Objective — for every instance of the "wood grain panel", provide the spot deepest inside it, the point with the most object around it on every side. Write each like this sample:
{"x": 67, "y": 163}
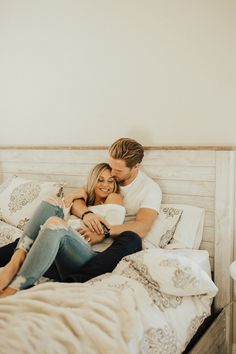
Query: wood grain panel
{"x": 179, "y": 158}
{"x": 194, "y": 188}
{"x": 153, "y": 158}
{"x": 213, "y": 341}
{"x": 208, "y": 246}
{"x": 203, "y": 202}
{"x": 189, "y": 173}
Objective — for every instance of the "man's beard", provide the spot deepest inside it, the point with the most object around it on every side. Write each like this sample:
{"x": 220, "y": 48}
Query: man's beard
{"x": 119, "y": 180}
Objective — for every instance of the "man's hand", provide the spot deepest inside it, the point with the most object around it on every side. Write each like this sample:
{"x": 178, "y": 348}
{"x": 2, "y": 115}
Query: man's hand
{"x": 91, "y": 237}
{"x": 93, "y": 222}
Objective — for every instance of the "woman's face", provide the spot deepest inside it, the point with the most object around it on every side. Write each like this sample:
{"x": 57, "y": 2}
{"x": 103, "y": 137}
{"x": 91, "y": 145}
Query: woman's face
{"x": 105, "y": 185}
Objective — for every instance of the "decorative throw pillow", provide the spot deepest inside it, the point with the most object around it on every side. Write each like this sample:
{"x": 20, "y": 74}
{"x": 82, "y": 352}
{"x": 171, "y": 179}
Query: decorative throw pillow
{"x": 19, "y": 198}
{"x": 189, "y": 230}
{"x": 163, "y": 228}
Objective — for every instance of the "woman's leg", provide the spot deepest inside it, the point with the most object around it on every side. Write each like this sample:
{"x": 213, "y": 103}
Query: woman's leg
{"x": 11, "y": 268}
{"x": 56, "y": 241}
{"x": 42, "y": 213}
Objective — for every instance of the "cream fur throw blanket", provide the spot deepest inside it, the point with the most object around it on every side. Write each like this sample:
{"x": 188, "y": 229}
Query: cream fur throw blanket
{"x": 67, "y": 318}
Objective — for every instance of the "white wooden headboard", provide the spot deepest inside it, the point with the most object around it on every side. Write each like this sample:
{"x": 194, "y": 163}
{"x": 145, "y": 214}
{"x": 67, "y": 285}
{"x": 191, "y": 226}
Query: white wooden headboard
{"x": 201, "y": 176}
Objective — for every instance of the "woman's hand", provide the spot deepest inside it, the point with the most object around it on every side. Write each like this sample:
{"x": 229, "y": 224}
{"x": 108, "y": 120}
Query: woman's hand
{"x": 91, "y": 237}
{"x": 93, "y": 222}
{"x": 78, "y": 194}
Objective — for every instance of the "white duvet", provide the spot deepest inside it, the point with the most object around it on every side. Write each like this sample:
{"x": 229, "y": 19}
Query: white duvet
{"x": 139, "y": 308}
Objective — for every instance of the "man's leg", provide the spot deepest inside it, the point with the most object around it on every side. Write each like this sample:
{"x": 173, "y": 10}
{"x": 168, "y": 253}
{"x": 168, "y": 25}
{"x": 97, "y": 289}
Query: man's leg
{"x": 126, "y": 243}
{"x": 45, "y": 210}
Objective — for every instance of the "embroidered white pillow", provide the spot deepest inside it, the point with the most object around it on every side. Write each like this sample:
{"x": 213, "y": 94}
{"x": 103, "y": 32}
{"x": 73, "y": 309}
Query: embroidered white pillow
{"x": 19, "y": 197}
{"x": 189, "y": 231}
{"x": 163, "y": 228}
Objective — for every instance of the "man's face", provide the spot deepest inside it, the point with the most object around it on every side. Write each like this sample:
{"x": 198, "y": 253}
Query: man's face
{"x": 122, "y": 174}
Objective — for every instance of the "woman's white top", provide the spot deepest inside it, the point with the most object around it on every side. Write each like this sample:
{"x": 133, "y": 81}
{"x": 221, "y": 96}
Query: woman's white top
{"x": 114, "y": 214}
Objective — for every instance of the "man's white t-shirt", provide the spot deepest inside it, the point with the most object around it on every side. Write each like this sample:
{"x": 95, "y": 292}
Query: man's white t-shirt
{"x": 143, "y": 192}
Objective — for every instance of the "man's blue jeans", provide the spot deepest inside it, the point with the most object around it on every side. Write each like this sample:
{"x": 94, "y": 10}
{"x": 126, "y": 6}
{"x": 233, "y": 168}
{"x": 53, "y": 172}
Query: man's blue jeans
{"x": 45, "y": 245}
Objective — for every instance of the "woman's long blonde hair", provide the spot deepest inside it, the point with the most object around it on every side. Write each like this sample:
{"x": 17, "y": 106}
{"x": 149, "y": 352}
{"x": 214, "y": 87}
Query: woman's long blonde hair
{"x": 93, "y": 179}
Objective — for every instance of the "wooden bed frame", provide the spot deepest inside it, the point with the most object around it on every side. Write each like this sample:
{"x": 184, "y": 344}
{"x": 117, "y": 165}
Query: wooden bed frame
{"x": 201, "y": 176}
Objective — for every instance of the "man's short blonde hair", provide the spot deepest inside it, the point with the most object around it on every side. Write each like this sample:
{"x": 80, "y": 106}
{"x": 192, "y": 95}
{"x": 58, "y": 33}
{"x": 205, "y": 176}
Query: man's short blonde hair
{"x": 128, "y": 150}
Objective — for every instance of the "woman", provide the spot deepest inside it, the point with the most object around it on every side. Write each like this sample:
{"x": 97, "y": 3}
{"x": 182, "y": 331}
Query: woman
{"x": 51, "y": 236}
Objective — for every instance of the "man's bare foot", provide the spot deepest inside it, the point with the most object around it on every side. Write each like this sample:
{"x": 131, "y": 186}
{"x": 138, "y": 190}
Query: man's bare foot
{"x": 7, "y": 292}
{"x": 11, "y": 268}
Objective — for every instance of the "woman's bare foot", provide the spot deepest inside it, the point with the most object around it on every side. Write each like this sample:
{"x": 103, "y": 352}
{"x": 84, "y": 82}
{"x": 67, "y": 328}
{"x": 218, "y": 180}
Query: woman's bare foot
{"x": 7, "y": 292}
{"x": 7, "y": 274}
{"x": 11, "y": 268}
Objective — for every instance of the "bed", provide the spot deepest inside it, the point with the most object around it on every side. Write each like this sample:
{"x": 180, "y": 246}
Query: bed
{"x": 128, "y": 311}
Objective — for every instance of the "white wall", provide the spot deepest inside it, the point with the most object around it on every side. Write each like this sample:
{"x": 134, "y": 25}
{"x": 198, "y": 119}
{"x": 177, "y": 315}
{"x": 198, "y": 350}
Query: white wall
{"x": 89, "y": 71}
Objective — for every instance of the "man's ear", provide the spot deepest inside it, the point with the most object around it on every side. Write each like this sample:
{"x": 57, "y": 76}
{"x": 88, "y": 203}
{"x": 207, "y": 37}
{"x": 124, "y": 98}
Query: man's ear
{"x": 137, "y": 166}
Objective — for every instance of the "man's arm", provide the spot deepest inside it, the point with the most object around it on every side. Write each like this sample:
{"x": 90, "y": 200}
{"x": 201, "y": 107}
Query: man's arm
{"x": 141, "y": 225}
{"x": 77, "y": 194}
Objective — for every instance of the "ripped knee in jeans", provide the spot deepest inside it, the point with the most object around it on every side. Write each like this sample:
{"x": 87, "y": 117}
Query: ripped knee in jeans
{"x": 25, "y": 243}
{"x": 54, "y": 200}
{"x": 55, "y": 223}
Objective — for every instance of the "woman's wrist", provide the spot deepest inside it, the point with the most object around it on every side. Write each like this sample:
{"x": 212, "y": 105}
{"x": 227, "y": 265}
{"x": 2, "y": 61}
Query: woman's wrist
{"x": 85, "y": 213}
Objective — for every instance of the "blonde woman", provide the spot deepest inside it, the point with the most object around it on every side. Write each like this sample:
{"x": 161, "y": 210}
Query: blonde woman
{"x": 51, "y": 236}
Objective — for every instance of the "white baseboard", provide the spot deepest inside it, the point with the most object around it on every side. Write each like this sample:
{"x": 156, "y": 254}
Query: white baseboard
{"x": 234, "y": 349}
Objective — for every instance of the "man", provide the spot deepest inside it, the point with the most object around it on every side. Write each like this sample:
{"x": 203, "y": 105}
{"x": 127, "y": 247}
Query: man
{"x": 142, "y": 198}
